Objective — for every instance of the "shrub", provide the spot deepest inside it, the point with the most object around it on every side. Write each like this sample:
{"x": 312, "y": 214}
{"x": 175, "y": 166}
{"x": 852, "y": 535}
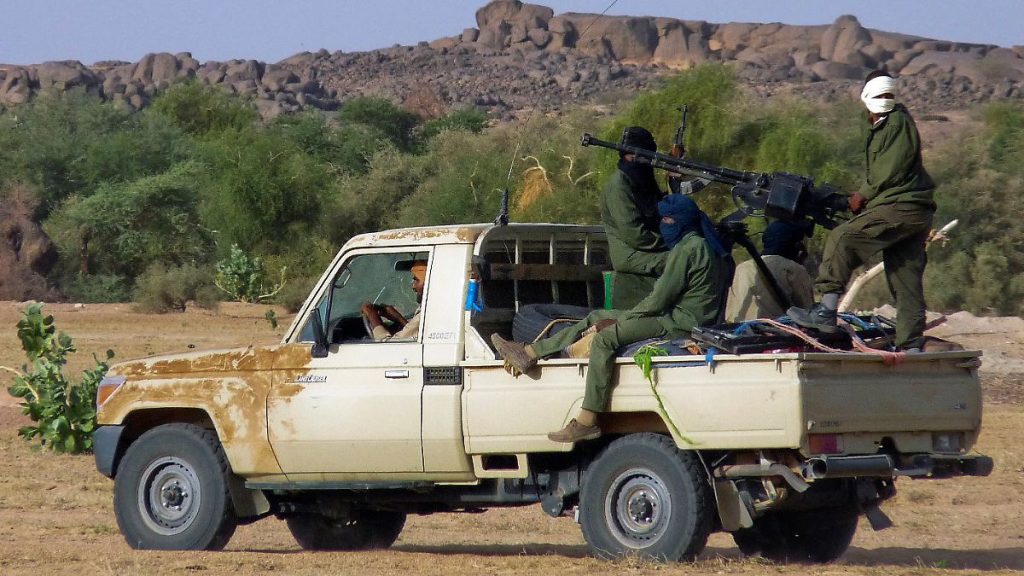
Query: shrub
{"x": 397, "y": 125}
{"x": 243, "y": 277}
{"x": 199, "y": 109}
{"x": 63, "y": 413}
{"x": 168, "y": 289}
{"x": 124, "y": 227}
{"x": 91, "y": 288}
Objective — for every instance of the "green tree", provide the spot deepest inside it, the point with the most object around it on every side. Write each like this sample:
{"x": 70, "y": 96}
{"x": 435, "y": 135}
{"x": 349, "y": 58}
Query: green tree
{"x": 200, "y": 110}
{"x": 66, "y": 143}
{"x": 397, "y": 125}
{"x": 124, "y": 227}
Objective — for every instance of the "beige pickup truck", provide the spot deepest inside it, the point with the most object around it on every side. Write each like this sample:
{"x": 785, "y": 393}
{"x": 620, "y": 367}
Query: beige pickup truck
{"x": 343, "y": 436}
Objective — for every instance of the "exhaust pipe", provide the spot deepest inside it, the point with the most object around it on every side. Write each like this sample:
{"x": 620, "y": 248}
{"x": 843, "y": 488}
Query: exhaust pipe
{"x": 880, "y": 465}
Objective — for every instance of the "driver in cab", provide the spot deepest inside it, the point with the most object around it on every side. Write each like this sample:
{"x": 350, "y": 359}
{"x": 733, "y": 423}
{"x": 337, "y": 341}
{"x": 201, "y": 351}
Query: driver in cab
{"x": 374, "y": 314}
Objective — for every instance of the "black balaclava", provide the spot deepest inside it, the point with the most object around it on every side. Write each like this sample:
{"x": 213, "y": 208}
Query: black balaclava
{"x": 646, "y": 192}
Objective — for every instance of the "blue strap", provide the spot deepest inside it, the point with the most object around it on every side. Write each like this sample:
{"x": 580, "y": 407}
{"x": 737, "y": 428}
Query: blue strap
{"x": 709, "y": 356}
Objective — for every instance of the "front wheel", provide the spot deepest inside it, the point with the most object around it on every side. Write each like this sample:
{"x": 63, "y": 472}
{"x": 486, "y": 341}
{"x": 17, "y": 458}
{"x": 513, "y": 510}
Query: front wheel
{"x": 364, "y": 530}
{"x": 644, "y": 496}
{"x": 171, "y": 491}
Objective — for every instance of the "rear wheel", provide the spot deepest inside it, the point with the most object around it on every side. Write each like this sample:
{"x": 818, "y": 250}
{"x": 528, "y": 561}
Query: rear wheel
{"x": 364, "y": 530}
{"x": 171, "y": 491}
{"x": 818, "y": 536}
{"x": 644, "y": 496}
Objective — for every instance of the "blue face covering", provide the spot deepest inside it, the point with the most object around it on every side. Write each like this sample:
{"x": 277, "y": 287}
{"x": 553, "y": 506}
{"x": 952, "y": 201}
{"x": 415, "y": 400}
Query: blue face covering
{"x": 688, "y": 218}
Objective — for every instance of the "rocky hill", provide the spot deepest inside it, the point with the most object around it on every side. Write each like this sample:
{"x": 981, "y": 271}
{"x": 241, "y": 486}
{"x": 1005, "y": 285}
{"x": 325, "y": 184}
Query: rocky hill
{"x": 523, "y": 55}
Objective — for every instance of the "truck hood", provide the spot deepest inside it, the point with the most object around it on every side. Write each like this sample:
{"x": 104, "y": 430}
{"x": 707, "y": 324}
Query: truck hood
{"x": 247, "y": 359}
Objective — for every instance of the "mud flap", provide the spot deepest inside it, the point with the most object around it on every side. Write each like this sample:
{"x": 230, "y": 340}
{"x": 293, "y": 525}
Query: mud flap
{"x": 733, "y": 510}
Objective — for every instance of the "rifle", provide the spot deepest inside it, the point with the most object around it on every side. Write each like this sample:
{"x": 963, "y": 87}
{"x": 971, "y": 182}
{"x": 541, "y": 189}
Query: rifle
{"x": 678, "y": 150}
{"x": 777, "y": 195}
{"x": 678, "y": 145}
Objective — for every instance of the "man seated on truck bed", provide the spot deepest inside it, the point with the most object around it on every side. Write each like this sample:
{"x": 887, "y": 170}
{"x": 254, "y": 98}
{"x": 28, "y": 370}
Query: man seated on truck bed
{"x": 406, "y": 329}
{"x": 783, "y": 253}
{"x": 688, "y": 294}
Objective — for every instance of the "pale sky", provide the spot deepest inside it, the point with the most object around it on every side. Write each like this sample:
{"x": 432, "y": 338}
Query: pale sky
{"x": 270, "y": 30}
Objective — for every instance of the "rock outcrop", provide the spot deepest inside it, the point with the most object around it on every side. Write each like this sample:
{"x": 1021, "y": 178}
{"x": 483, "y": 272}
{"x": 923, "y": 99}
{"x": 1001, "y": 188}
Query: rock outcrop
{"x": 523, "y": 55}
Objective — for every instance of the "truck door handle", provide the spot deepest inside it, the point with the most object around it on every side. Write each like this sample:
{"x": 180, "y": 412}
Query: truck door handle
{"x": 396, "y": 373}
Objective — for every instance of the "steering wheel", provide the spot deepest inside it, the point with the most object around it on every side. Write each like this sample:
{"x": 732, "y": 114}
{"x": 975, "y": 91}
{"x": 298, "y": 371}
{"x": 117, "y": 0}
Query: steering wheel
{"x": 367, "y": 326}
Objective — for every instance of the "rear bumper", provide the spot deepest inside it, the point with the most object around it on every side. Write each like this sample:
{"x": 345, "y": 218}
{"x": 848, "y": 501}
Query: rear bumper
{"x": 887, "y": 466}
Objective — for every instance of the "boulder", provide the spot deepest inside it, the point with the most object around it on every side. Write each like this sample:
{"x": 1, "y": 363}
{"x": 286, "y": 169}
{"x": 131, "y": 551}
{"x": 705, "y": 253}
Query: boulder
{"x": 844, "y": 39}
{"x": 828, "y": 70}
{"x": 64, "y": 75}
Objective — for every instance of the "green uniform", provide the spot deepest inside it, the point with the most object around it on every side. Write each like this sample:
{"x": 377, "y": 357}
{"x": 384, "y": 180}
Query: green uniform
{"x": 635, "y": 246}
{"x": 895, "y": 221}
{"x": 688, "y": 294}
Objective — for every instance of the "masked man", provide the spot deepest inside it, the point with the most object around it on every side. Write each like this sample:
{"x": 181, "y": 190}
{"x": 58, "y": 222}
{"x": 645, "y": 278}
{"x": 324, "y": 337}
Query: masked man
{"x": 688, "y": 294}
{"x": 893, "y": 214}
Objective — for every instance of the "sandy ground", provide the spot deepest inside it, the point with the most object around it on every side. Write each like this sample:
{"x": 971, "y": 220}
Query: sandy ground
{"x": 56, "y": 515}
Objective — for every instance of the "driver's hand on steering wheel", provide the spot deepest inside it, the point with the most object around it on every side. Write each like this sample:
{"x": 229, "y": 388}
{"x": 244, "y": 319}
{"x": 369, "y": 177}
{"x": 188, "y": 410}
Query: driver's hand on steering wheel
{"x": 391, "y": 313}
{"x": 371, "y": 313}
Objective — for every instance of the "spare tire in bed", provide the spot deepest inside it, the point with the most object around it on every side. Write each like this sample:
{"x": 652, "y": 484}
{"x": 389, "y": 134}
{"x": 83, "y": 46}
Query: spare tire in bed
{"x": 532, "y": 320}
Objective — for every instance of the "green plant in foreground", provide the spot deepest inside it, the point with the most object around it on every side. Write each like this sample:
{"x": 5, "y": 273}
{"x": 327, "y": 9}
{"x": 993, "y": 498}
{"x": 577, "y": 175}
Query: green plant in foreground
{"x": 644, "y": 358}
{"x": 63, "y": 413}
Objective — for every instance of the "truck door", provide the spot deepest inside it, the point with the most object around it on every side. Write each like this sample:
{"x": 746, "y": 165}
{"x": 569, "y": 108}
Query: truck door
{"x": 358, "y": 409}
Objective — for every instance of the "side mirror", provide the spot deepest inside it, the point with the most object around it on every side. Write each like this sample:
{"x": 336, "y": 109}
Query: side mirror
{"x": 319, "y": 349}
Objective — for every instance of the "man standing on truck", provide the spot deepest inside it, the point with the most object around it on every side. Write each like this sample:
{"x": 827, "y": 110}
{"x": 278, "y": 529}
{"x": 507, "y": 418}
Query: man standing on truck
{"x": 893, "y": 214}
{"x": 406, "y": 329}
{"x": 688, "y": 294}
{"x": 783, "y": 253}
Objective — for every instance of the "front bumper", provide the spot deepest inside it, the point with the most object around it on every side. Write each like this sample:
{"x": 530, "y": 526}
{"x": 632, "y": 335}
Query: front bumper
{"x": 106, "y": 445}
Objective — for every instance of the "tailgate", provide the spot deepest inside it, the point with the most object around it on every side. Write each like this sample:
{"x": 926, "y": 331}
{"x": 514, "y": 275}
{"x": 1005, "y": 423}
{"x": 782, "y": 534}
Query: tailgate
{"x": 870, "y": 403}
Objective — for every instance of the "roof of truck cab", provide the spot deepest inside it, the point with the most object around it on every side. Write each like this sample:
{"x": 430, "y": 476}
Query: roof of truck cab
{"x": 458, "y": 234}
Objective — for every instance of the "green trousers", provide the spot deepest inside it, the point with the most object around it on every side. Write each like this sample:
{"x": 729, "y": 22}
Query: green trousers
{"x": 634, "y": 279}
{"x": 899, "y": 232}
{"x": 602, "y": 349}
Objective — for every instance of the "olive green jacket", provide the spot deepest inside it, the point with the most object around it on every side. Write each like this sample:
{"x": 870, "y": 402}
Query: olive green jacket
{"x": 690, "y": 291}
{"x": 631, "y": 224}
{"x": 893, "y": 168}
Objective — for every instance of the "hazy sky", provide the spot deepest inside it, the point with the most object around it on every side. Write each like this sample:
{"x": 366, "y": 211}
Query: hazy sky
{"x": 270, "y": 30}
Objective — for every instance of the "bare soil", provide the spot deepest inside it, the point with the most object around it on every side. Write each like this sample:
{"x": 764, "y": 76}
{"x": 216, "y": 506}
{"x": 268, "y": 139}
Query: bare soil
{"x": 56, "y": 515}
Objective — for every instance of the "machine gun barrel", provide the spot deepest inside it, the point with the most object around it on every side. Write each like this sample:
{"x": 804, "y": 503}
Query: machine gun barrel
{"x": 681, "y": 166}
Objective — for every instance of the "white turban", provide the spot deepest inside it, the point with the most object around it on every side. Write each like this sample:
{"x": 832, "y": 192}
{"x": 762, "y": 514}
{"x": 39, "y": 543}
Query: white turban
{"x": 876, "y": 87}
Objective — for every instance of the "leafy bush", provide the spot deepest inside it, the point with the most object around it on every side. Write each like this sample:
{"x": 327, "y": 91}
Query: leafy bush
{"x": 260, "y": 192}
{"x": 124, "y": 227}
{"x": 467, "y": 119}
{"x": 71, "y": 143}
{"x": 168, "y": 289}
{"x": 98, "y": 288}
{"x": 199, "y": 110}
{"x": 397, "y": 125}
{"x": 63, "y": 413}
{"x": 243, "y": 277}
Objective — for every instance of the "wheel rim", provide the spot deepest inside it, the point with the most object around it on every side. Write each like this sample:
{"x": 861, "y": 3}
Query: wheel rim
{"x": 169, "y": 496}
{"x": 638, "y": 508}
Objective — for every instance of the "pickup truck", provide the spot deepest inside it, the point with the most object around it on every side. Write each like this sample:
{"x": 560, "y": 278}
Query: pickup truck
{"x": 343, "y": 436}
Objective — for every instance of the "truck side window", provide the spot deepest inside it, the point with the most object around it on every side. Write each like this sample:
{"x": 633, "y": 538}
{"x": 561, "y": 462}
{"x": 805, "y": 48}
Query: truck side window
{"x": 380, "y": 279}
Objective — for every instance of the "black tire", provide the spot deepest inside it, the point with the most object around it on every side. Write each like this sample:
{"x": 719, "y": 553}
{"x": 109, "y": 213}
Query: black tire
{"x": 171, "y": 491}
{"x": 531, "y": 320}
{"x": 814, "y": 536}
{"x": 644, "y": 496}
{"x": 365, "y": 530}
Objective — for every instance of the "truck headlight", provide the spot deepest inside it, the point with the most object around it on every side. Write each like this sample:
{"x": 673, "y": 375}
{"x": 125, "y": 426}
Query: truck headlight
{"x": 108, "y": 385}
